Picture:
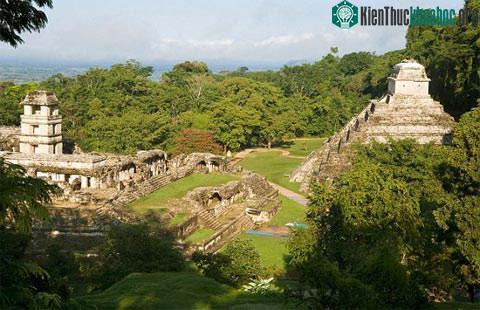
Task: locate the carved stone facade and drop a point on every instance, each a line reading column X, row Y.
column 406, row 111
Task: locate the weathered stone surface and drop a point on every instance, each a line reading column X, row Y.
column 9, row 139
column 406, row 111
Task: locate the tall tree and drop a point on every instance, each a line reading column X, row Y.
column 22, row 199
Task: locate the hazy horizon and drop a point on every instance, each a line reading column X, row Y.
column 217, row 31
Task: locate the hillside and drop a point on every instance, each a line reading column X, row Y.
column 183, row 290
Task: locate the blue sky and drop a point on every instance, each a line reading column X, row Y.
column 209, row 30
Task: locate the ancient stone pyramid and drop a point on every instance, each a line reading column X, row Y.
column 406, row 111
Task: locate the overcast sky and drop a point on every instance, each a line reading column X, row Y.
column 210, row 30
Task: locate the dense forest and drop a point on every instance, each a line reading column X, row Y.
column 121, row 110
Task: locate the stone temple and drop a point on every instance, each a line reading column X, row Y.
column 406, row 111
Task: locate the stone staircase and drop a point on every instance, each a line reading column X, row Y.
column 132, row 194
column 414, row 117
column 209, row 220
column 229, row 231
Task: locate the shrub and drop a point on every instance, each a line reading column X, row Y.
column 238, row 264
column 134, row 248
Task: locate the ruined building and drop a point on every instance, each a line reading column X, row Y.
column 406, row 111
column 39, row 142
column 96, row 187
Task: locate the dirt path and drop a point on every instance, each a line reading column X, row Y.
column 282, row 190
column 241, row 155
column 290, row 194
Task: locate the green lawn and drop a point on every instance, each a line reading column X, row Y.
column 272, row 250
column 157, row 200
column 179, row 218
column 274, row 166
column 303, row 147
column 290, row 212
column 177, row 290
column 200, row 235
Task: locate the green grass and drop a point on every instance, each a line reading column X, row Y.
column 157, row 200
column 303, row 147
column 274, row 166
column 179, row 218
column 200, row 235
column 290, row 212
column 272, row 250
column 177, row 290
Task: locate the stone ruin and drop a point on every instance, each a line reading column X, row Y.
column 95, row 186
column 406, row 111
column 229, row 209
column 38, row 147
column 9, row 138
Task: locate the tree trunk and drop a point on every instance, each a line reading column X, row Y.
column 471, row 292
column 269, row 146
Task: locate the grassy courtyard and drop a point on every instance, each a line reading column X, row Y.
column 303, row 146
column 177, row 290
column 273, row 250
column 158, row 200
column 200, row 235
column 274, row 166
column 290, row 212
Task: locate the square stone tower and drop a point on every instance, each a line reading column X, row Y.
column 41, row 124
column 408, row 78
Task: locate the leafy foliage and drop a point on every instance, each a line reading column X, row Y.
column 20, row 16
column 121, row 110
column 402, row 224
column 236, row 265
column 132, row 248
column 451, row 56
column 22, row 198
column 195, row 140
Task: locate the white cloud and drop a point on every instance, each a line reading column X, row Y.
column 198, row 43
column 285, row 39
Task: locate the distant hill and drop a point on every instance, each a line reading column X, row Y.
column 27, row 72
column 21, row 73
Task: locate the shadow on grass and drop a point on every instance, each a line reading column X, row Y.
column 178, row 290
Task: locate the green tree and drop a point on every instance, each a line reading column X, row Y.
column 134, row 248
column 10, row 97
column 19, row 16
column 22, row 199
column 380, row 225
column 236, row 265
column 461, row 179
column 191, row 140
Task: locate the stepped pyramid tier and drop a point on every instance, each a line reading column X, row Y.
column 406, row 111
